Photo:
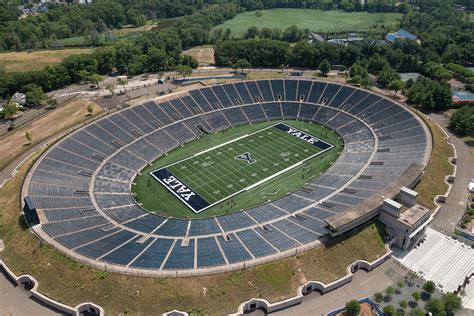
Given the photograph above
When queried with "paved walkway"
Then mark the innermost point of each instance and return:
(15, 301)
(453, 209)
(363, 284)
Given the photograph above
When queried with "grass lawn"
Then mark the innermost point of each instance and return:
(36, 60)
(203, 54)
(256, 74)
(314, 20)
(72, 283)
(432, 183)
(50, 124)
(155, 197)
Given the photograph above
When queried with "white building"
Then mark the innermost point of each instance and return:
(404, 219)
(19, 98)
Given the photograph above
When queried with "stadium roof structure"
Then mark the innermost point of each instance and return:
(400, 34)
(80, 187)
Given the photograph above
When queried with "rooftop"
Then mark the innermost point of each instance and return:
(413, 214)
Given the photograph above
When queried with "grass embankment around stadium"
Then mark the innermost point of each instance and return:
(156, 198)
(432, 182)
(52, 123)
(314, 20)
(37, 60)
(70, 282)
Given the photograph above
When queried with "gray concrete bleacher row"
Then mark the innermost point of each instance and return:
(82, 184)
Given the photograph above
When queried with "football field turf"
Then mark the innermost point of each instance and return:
(155, 197)
(221, 172)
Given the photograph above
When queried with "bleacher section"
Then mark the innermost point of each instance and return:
(81, 186)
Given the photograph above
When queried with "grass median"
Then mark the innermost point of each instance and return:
(432, 182)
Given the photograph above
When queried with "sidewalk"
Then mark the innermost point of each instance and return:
(363, 284)
(453, 209)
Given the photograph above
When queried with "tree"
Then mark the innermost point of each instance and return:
(358, 70)
(429, 287)
(378, 297)
(462, 121)
(156, 59)
(266, 32)
(84, 75)
(452, 303)
(28, 137)
(241, 64)
(366, 82)
(184, 70)
(95, 79)
(395, 84)
(10, 109)
(410, 275)
(353, 308)
(416, 312)
(400, 284)
(436, 71)
(34, 94)
(390, 291)
(324, 67)
(387, 75)
(122, 82)
(389, 310)
(416, 296)
(430, 94)
(252, 32)
(90, 108)
(403, 304)
(51, 102)
(111, 88)
(190, 61)
(436, 307)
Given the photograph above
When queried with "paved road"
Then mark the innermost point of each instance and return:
(453, 209)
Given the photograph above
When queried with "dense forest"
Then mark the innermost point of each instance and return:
(447, 41)
(66, 21)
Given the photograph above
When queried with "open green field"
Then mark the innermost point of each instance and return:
(314, 20)
(281, 163)
(37, 60)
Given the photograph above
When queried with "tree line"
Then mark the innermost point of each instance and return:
(66, 21)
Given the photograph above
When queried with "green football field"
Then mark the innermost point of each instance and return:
(237, 168)
(314, 20)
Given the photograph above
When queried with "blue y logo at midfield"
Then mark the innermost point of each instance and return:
(245, 157)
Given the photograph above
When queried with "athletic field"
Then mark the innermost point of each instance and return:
(314, 20)
(236, 169)
(218, 173)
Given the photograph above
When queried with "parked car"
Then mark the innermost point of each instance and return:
(470, 186)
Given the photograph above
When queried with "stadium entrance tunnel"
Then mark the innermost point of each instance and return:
(293, 155)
